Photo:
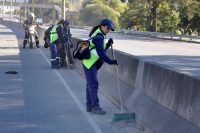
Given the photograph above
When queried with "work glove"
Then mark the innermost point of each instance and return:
(110, 41)
(46, 45)
(114, 62)
(70, 44)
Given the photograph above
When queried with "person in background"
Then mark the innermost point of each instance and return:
(27, 24)
(47, 36)
(57, 40)
(65, 48)
(94, 63)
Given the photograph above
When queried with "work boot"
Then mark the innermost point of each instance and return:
(55, 67)
(37, 46)
(98, 111)
(62, 64)
(88, 109)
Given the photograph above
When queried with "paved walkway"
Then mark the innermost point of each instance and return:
(41, 100)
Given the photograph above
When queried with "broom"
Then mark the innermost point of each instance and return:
(122, 115)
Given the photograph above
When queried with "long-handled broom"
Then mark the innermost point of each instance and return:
(122, 115)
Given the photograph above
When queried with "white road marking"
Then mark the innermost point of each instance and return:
(90, 119)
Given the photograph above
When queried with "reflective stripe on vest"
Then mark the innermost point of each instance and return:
(53, 34)
(93, 53)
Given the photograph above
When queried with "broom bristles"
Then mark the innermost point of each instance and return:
(123, 116)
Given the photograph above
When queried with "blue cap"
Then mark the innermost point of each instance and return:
(108, 23)
(66, 22)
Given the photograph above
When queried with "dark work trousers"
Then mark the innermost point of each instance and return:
(62, 55)
(92, 85)
(54, 56)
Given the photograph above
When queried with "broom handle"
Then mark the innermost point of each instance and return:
(118, 85)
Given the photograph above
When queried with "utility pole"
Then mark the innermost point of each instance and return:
(71, 5)
(11, 10)
(20, 13)
(33, 5)
(63, 9)
(3, 9)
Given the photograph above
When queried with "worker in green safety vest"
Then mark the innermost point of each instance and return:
(57, 42)
(94, 63)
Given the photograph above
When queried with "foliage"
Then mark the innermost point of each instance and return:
(116, 5)
(92, 14)
(151, 15)
(135, 16)
(59, 2)
(168, 19)
(189, 16)
(162, 15)
(111, 9)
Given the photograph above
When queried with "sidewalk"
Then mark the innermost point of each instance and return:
(11, 92)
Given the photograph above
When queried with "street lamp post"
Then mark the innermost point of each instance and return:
(63, 9)
(71, 5)
(3, 9)
(33, 5)
(11, 10)
(25, 12)
(20, 15)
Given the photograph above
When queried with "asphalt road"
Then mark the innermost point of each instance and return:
(183, 57)
(41, 100)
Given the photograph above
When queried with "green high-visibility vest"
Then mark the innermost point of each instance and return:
(53, 34)
(93, 53)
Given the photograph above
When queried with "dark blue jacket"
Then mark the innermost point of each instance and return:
(48, 32)
(98, 41)
(61, 38)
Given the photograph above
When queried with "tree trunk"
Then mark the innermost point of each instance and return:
(154, 15)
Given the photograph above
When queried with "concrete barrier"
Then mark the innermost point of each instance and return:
(164, 100)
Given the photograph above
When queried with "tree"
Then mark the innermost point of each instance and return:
(189, 15)
(124, 1)
(168, 18)
(135, 16)
(59, 2)
(98, 9)
(96, 12)
(116, 5)
(149, 8)
(195, 24)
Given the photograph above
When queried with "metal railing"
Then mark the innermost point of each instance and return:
(160, 35)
